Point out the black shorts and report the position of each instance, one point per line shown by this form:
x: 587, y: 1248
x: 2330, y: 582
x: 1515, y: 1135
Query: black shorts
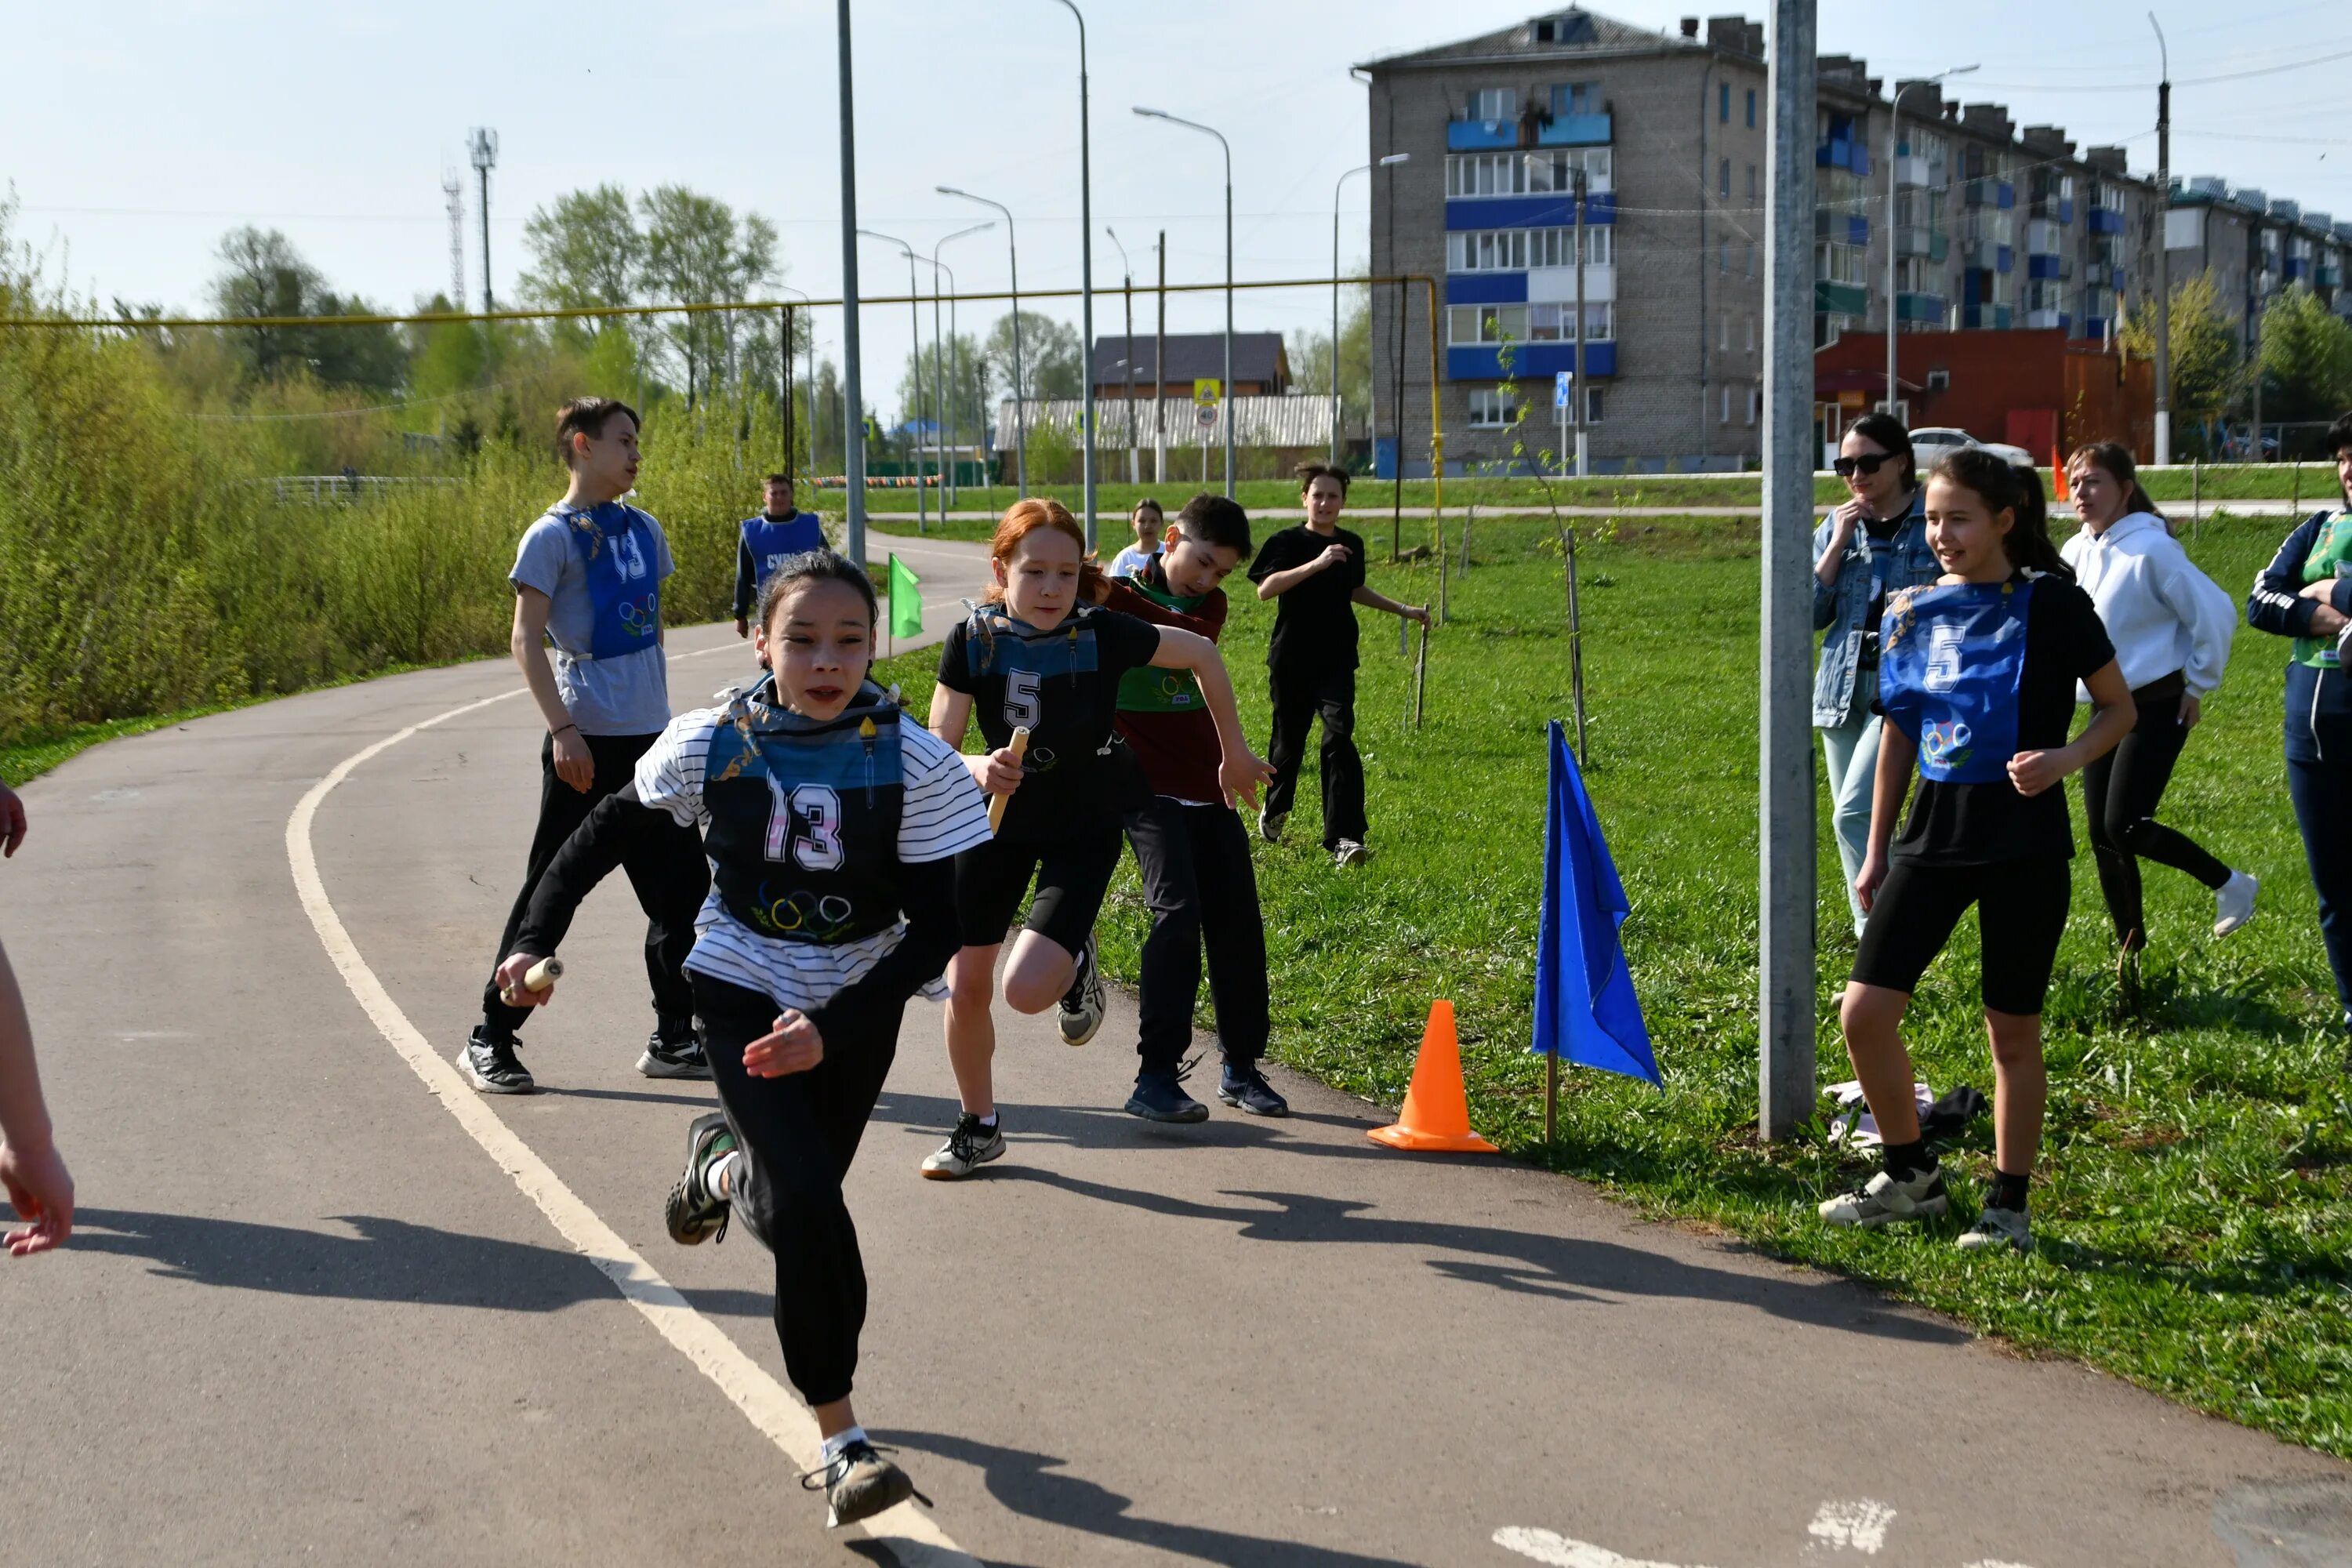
x: 1072, y: 872
x: 2020, y: 915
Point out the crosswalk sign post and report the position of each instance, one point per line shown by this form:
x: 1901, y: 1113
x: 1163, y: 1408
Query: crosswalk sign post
x: 1564, y: 388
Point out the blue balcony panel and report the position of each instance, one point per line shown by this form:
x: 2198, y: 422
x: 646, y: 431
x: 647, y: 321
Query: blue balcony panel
x: 1833, y: 155
x: 2095, y: 328
x: 2297, y: 267
x: 1529, y: 362
x: 1576, y: 131
x: 1919, y: 308
x: 2105, y: 220
x: 2004, y: 259
x: 2005, y: 195
x: 1857, y: 230
x: 2041, y: 265
x: 1482, y: 135
x: 2065, y: 210
x: 1486, y: 288
x: 1552, y: 210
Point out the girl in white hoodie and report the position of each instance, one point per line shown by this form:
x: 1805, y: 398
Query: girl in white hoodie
x: 2170, y: 625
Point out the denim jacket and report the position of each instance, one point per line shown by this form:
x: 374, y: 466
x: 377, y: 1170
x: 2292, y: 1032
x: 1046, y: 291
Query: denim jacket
x: 1839, y: 608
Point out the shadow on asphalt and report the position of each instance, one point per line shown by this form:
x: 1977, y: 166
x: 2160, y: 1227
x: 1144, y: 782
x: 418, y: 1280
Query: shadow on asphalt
x: 1557, y: 1267
x: 1027, y: 1484
x: 387, y: 1260
x: 1108, y: 1127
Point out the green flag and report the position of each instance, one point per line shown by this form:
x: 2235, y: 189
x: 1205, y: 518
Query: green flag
x: 905, y: 600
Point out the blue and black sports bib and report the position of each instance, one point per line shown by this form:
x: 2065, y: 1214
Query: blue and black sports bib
x: 803, y: 837
x: 616, y: 545
x: 1950, y: 662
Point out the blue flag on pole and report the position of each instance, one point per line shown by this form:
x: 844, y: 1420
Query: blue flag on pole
x: 1586, y: 1011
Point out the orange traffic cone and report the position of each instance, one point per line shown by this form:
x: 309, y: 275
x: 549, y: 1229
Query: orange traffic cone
x: 2058, y: 474
x: 1436, y: 1117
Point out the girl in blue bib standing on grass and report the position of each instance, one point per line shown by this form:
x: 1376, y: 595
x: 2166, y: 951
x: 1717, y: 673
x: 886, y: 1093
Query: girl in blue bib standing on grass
x: 1977, y: 678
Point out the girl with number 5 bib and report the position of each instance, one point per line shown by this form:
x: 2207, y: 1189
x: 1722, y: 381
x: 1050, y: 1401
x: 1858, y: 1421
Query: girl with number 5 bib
x: 1977, y: 678
x: 831, y: 827
x: 1039, y: 657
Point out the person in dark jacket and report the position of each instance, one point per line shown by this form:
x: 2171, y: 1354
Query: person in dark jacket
x: 2305, y: 593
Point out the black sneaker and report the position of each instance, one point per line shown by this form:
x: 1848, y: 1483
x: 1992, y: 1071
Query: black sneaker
x: 679, y: 1057
x: 1247, y: 1089
x: 858, y: 1483
x: 694, y: 1212
x: 969, y: 1147
x: 490, y: 1065
x: 1082, y: 1006
x: 1160, y: 1096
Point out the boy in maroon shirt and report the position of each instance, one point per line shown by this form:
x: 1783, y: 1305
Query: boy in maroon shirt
x: 1192, y: 846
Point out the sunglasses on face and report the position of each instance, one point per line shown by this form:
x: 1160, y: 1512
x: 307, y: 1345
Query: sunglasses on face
x: 1865, y: 465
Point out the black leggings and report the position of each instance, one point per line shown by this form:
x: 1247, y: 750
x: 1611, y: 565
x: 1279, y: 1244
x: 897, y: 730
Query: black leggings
x: 2120, y: 794
x: 1301, y: 698
x: 798, y: 1134
x: 2020, y: 915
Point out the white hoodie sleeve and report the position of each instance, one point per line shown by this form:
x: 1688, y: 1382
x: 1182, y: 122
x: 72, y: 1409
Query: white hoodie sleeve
x: 2208, y: 613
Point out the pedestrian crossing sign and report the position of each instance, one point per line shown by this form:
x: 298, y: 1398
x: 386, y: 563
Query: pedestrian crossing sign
x: 1560, y: 382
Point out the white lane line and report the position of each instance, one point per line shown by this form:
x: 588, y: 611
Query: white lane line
x: 1565, y: 1552
x: 779, y: 1416
x: 1856, y: 1526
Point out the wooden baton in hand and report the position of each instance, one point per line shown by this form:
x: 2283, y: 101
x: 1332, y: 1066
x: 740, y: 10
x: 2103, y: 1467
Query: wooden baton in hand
x: 996, y: 804
x: 540, y: 976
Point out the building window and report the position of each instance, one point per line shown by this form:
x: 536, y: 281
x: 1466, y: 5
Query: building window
x: 1592, y: 405
x: 1752, y: 258
x: 1491, y: 408
x: 1516, y: 250
x: 1576, y: 97
x: 1517, y: 174
x: 1723, y: 178
x: 1751, y: 334
x: 1723, y: 261
x: 1492, y: 103
x: 1723, y: 103
x: 1751, y: 109
x: 1723, y: 334
x: 1752, y: 187
x: 1467, y: 326
x: 1838, y: 264
x: 1755, y: 403
x: 1724, y: 418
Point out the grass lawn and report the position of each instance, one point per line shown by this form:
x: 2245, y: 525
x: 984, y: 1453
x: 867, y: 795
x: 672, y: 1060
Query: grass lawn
x: 2313, y: 483
x: 2194, y: 1203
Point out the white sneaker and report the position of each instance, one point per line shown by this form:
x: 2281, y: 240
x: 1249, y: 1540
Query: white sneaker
x: 1997, y: 1227
x: 1269, y: 825
x: 1919, y: 1195
x: 1349, y: 853
x: 971, y: 1145
x: 2234, y: 903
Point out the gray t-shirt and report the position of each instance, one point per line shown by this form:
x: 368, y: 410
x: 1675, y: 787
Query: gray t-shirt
x: 628, y: 695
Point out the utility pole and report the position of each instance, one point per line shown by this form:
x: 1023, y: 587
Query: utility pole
x: 1160, y: 373
x: 2255, y: 356
x: 1576, y: 381
x: 483, y: 149
x: 453, y: 188
x: 2163, y: 251
x: 853, y: 429
x: 1127, y: 355
x: 1784, y: 1024
x: 1893, y: 184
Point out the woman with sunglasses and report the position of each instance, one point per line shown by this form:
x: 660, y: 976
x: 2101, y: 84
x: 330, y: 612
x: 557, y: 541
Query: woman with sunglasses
x: 1873, y: 545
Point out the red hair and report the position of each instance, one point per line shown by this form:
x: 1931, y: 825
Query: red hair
x: 1025, y: 517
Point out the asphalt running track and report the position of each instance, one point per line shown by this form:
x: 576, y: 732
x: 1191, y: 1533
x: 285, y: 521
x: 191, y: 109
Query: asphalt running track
x: 325, y: 1304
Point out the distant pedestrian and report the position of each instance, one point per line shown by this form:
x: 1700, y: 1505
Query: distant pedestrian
x: 1976, y: 682
x: 2171, y: 626
x: 1315, y: 575
x: 1149, y: 523
x: 2305, y: 593
x: 764, y: 543
x: 1874, y: 544
x: 35, y: 1174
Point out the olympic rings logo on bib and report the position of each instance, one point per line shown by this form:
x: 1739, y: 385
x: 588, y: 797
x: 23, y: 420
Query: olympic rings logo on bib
x: 1947, y: 742
x: 640, y: 619
x: 801, y: 913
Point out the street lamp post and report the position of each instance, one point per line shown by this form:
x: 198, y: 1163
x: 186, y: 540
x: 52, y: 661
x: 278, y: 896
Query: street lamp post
x: 1086, y: 269
x: 1127, y: 357
x: 1392, y: 161
x: 1894, y: 182
x: 853, y: 446
x: 2164, y: 257
x: 914, y: 321
x: 1208, y: 131
x: 1020, y: 415
x: 939, y: 387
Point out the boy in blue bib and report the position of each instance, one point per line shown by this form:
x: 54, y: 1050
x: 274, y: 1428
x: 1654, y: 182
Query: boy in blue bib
x: 766, y: 541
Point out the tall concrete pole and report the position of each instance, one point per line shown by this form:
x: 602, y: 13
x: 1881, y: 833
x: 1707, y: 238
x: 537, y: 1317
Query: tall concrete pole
x: 853, y: 435
x: 1893, y: 142
x: 1784, y: 1024
x: 1086, y: 269
x: 2164, y: 252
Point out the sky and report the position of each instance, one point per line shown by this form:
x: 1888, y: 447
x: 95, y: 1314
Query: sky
x: 134, y: 135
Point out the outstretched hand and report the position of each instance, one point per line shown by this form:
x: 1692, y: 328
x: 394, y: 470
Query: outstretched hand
x: 1241, y: 777
x: 794, y: 1045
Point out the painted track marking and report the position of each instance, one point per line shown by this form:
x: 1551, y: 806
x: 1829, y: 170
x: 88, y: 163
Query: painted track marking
x: 905, y: 1529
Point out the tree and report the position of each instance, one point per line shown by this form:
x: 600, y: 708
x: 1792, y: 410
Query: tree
x: 1310, y: 355
x: 696, y: 252
x: 1052, y: 360
x: 264, y: 276
x: 586, y: 250
x: 2306, y: 359
x: 2205, y: 370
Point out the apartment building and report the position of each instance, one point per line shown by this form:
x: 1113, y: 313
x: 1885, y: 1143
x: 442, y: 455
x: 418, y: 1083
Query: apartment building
x: 1994, y: 228
x: 2255, y: 248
